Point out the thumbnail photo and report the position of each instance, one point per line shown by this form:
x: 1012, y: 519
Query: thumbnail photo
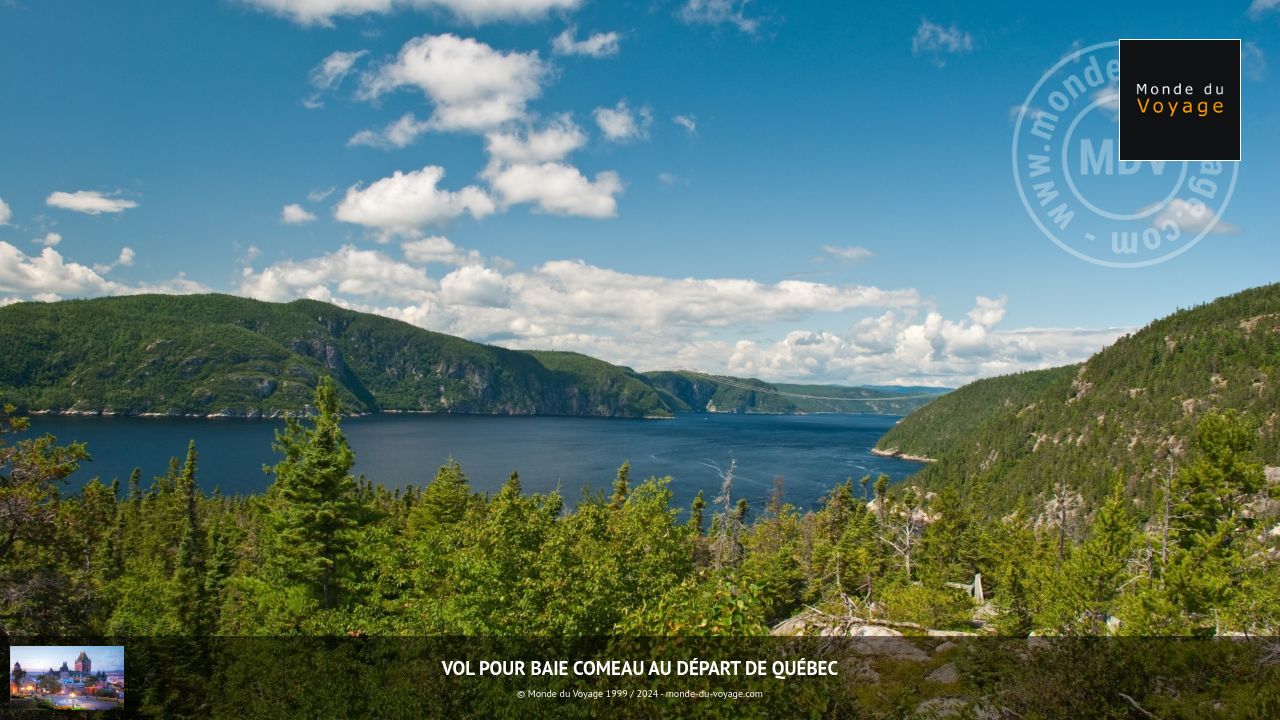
x: 66, y: 677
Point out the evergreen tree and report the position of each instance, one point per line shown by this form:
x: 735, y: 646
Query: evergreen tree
x: 312, y: 501
x: 189, y: 565
x: 444, y: 501
x: 36, y: 598
x: 1202, y: 572
x: 621, y: 484
x: 1210, y: 490
x: 1097, y: 569
x: 698, y: 514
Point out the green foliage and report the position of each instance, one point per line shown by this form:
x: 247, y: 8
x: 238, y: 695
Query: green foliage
x: 323, y: 554
x: 711, y: 605
x: 1131, y: 409
x: 933, y: 607
x: 947, y: 424
x: 1209, y: 491
x: 44, y: 580
x: 217, y: 354
x: 1089, y: 582
x: 205, y: 354
x: 312, y: 504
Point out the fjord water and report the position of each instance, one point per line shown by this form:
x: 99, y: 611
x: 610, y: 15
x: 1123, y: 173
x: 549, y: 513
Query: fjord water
x: 812, y: 452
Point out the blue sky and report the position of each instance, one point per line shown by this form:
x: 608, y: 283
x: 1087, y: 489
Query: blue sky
x: 813, y: 191
x: 42, y: 658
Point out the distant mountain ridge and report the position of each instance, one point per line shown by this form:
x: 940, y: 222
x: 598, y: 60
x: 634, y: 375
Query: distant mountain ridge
x: 220, y: 355
x: 1126, y: 412
x: 683, y: 390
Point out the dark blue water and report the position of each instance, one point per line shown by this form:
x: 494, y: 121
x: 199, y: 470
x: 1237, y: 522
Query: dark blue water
x: 812, y: 452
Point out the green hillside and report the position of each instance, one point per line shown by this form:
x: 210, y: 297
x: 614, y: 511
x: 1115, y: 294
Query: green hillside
x: 224, y: 355
x: 220, y: 354
x: 1128, y: 411
x: 689, y: 391
x: 945, y: 425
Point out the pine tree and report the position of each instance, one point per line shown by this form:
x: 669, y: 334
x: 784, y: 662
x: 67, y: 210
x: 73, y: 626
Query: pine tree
x: 1210, y: 490
x: 35, y: 586
x: 1096, y: 570
x: 312, y: 502
x: 444, y: 501
x: 1201, y: 573
x: 189, y: 566
x: 621, y: 485
x: 697, y: 514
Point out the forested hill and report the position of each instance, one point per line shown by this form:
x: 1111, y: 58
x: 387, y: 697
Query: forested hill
x: 225, y: 355
x: 697, y: 392
x: 1128, y: 411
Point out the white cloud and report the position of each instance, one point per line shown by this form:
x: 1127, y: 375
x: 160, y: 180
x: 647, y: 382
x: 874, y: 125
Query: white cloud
x: 848, y: 253
x: 988, y: 312
x: 718, y: 12
x: 1030, y: 112
x: 621, y: 124
x: 1076, y: 46
x: 347, y: 271
x: 474, y: 285
x: 46, y: 272
x: 329, y: 74
x: 1108, y: 99
x: 688, y: 122
x: 653, y: 322
x: 1254, y: 60
x: 557, y: 299
x: 49, y: 240
x: 558, y: 189
x: 1191, y: 217
x: 49, y: 273
x: 473, y: 86
x: 525, y: 167
x: 596, y: 45
x: 125, y: 259
x: 5, y: 213
x: 295, y: 214
x: 480, y: 11
x: 323, y: 12
x: 405, y: 202
x: 437, y: 249
x: 398, y: 134
x: 331, y: 71
x: 560, y: 137
x: 626, y: 300
x: 898, y: 347
x: 1258, y: 8
x: 669, y: 179
x: 937, y: 41
x: 90, y: 202
x: 319, y: 195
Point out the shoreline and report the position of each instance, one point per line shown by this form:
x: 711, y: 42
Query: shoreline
x: 896, y: 453
x: 282, y: 414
